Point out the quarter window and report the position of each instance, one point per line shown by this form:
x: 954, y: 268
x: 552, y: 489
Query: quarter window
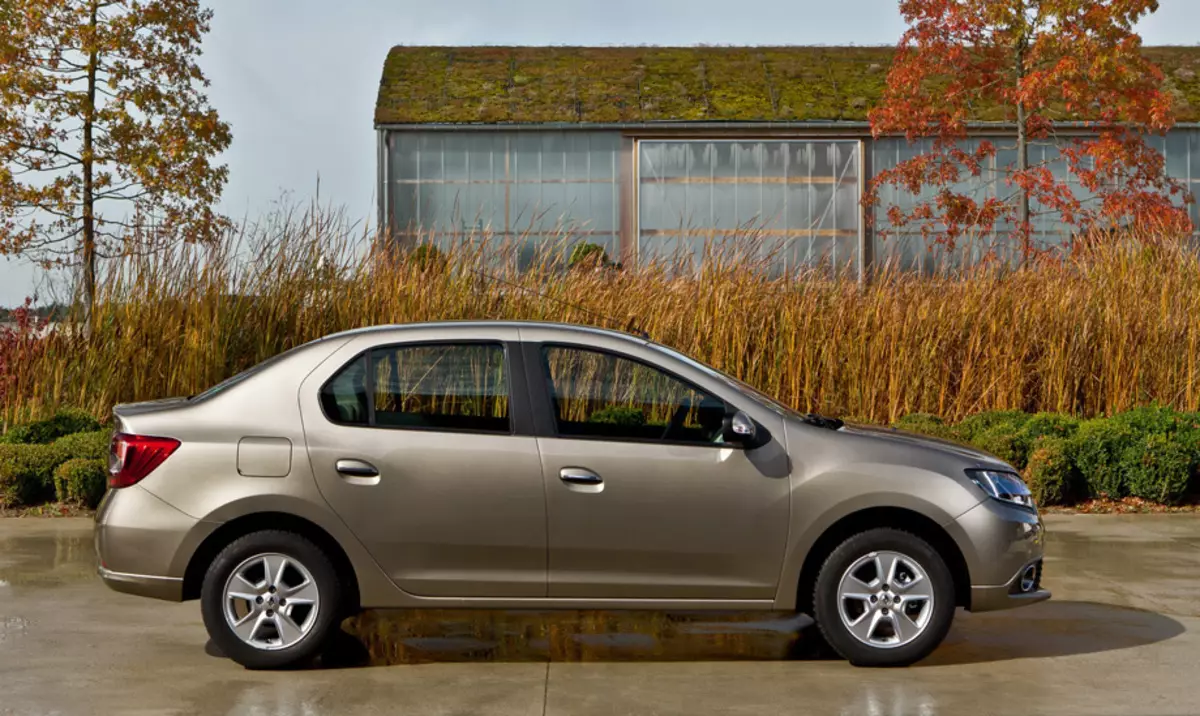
x: 601, y: 395
x: 430, y: 387
x: 344, y: 398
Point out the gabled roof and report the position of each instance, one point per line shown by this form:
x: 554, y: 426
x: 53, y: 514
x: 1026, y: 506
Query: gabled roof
x: 618, y: 85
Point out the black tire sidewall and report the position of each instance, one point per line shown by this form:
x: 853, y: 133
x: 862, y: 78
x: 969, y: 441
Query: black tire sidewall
x: 288, y: 544
x: 826, y: 606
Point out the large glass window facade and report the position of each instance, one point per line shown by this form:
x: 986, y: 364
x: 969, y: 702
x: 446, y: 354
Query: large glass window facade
x: 908, y: 249
x: 530, y: 189
x: 789, y: 203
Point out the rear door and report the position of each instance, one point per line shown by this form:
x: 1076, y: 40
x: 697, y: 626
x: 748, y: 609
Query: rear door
x: 422, y: 448
x: 644, y: 500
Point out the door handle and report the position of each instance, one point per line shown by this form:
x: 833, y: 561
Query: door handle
x: 579, y: 476
x: 356, y: 468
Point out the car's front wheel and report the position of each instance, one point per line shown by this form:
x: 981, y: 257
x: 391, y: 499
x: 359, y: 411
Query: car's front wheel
x: 271, y: 600
x: 884, y: 597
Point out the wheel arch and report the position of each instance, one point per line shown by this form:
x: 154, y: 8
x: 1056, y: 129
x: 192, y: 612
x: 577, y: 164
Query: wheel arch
x: 900, y: 518
x: 221, y: 537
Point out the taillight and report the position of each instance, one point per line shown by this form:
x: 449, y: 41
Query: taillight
x: 133, y: 457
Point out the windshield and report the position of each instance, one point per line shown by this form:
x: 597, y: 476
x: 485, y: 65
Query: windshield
x: 742, y: 386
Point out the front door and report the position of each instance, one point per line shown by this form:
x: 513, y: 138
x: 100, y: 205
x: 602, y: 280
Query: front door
x: 644, y: 501
x: 415, y: 447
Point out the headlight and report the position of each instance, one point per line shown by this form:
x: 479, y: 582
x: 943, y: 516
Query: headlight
x: 1004, y: 486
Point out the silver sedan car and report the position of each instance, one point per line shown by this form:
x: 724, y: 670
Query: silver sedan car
x: 532, y: 465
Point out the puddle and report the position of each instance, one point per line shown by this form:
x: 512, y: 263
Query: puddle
x: 46, y: 560
x: 12, y: 628
x: 410, y: 636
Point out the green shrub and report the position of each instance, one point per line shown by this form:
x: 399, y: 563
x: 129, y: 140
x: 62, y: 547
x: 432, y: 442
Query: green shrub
x: 26, y: 474
x: 1001, y: 441
x: 618, y: 415
x: 428, y: 257
x: 926, y: 424
x: 1154, y: 420
x: 1041, y: 425
x: 81, y: 481
x: 64, y: 422
x: 91, y: 446
x: 1051, y: 472
x: 1158, y: 468
x: 588, y: 255
x: 1098, y: 447
x: 991, y: 421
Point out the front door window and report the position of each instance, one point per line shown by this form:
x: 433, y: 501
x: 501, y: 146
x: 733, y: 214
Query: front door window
x: 602, y: 395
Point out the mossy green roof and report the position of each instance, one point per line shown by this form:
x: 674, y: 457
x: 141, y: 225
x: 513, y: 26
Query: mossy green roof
x: 618, y: 85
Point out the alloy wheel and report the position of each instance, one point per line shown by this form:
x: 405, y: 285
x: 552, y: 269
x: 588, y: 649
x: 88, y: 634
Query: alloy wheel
x: 885, y: 599
x: 271, y: 601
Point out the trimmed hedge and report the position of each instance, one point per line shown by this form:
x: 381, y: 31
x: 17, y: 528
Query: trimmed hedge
x: 93, y: 445
x: 64, y: 422
x: 81, y: 481
x: 28, y: 470
x: 1152, y: 453
x: 1051, y: 473
x: 27, y: 474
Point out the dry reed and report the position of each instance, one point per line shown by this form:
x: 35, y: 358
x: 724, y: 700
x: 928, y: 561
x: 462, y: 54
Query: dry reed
x: 1109, y: 328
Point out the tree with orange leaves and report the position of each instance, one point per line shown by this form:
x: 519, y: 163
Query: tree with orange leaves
x: 106, y: 136
x: 1038, y: 66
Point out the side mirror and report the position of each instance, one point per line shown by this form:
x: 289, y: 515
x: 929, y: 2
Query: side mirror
x: 740, y: 429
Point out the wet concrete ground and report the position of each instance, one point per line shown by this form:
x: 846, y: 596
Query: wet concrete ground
x: 1122, y: 636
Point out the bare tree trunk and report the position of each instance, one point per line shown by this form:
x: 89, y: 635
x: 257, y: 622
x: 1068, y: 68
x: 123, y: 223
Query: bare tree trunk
x: 88, y: 247
x: 1022, y: 157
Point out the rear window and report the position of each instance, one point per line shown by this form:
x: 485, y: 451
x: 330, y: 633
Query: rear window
x: 248, y: 373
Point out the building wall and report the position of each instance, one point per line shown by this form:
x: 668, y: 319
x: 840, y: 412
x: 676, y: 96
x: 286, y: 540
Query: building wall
x: 784, y: 197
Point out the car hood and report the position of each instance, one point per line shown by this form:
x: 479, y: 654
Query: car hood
x: 907, y: 439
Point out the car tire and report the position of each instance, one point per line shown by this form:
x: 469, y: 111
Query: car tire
x: 244, y: 600
x: 871, y: 622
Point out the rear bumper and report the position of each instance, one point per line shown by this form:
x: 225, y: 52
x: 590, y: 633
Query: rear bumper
x: 143, y: 544
x: 143, y: 585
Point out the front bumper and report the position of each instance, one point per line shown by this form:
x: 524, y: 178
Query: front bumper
x: 1013, y: 594
x: 1000, y: 543
x: 142, y: 543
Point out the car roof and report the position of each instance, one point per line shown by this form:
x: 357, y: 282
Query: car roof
x: 461, y: 325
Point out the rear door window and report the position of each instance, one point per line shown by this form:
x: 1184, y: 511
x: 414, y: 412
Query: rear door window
x: 448, y: 387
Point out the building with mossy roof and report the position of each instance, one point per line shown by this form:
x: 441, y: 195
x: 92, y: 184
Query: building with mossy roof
x: 669, y: 152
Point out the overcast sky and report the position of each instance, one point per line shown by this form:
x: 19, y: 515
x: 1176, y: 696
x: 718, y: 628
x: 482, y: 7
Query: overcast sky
x: 297, y: 78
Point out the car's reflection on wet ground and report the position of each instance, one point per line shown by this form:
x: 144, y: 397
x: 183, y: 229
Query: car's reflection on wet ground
x: 1119, y: 638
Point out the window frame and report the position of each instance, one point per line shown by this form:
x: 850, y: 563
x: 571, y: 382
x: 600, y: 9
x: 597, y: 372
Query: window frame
x: 546, y: 417
x: 861, y: 146
x: 519, y: 420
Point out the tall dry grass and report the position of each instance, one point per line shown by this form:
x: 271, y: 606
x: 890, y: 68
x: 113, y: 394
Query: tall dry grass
x: 1109, y: 328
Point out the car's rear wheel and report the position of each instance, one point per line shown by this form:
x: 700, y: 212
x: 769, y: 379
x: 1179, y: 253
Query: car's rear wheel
x: 271, y: 600
x: 884, y: 597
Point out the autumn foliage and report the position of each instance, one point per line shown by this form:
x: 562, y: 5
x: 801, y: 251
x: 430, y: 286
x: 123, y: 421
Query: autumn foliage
x: 1066, y: 72
x: 107, y: 140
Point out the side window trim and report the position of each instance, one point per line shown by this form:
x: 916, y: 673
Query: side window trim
x: 518, y: 397
x: 545, y: 419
